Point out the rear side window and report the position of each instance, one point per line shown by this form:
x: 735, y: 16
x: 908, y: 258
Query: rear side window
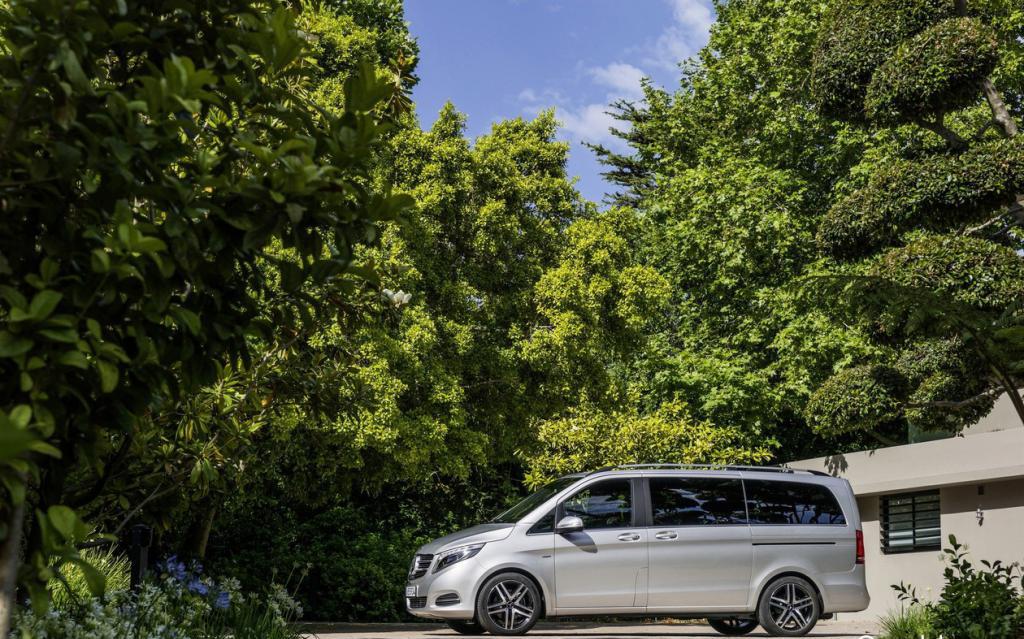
x: 606, y: 504
x: 784, y: 502
x: 696, y: 501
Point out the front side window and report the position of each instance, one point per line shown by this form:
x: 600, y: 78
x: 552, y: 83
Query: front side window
x: 785, y: 502
x: 545, y: 524
x: 605, y: 504
x: 697, y: 501
x: 911, y: 522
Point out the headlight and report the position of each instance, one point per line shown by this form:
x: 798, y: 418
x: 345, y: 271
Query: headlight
x: 455, y: 555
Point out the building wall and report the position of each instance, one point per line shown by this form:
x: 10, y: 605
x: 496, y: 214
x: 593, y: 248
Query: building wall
x: 999, y: 536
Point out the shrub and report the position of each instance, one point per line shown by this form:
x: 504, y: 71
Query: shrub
x: 179, y: 603
x: 856, y: 398
x: 948, y: 265
x: 940, y: 69
x: 975, y: 603
x: 911, y: 622
x: 857, y: 36
x: 936, y: 193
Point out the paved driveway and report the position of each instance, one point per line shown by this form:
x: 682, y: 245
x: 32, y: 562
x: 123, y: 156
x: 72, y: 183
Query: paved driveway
x: 836, y: 630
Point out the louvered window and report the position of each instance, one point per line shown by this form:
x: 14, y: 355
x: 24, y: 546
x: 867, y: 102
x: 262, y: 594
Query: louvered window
x: 911, y: 522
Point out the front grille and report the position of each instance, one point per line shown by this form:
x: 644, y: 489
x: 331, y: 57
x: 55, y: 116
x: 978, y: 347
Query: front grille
x: 447, y: 599
x: 416, y: 602
x: 420, y: 565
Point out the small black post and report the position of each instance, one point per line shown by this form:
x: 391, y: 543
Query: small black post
x: 140, y: 537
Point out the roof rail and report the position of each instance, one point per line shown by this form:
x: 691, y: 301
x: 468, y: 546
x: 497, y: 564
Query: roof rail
x: 763, y: 469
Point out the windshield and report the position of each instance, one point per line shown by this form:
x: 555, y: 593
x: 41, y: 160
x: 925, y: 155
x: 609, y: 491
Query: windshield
x: 517, y: 512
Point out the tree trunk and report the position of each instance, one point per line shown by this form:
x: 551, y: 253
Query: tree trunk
x: 10, y: 558
x: 199, y: 535
x: 1000, y: 113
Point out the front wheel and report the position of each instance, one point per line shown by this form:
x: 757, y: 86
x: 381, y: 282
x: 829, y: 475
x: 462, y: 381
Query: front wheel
x: 470, y: 627
x: 789, y: 607
x: 733, y: 626
x: 508, y: 604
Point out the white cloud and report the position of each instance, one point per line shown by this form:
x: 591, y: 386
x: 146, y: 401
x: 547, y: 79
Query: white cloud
x: 681, y: 39
x: 624, y: 79
x: 589, y: 123
x: 685, y: 37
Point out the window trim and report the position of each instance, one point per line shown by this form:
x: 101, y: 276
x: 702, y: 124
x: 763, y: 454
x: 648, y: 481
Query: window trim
x: 649, y: 503
x: 883, y: 522
x: 635, y: 518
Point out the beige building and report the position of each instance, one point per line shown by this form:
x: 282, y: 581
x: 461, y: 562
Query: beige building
x: 913, y: 497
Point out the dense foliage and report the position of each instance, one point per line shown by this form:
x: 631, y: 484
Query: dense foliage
x: 153, y: 156
x: 975, y: 603
x: 217, y: 318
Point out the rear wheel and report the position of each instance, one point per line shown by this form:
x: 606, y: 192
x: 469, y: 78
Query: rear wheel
x: 508, y: 604
x: 789, y: 607
x: 733, y: 626
x: 469, y: 627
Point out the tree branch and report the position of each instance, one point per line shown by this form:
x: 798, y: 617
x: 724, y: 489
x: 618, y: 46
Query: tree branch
x: 951, y: 137
x: 1000, y: 113
x: 962, y: 404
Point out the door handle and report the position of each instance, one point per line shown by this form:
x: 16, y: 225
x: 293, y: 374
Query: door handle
x: 666, y: 534
x: 629, y: 537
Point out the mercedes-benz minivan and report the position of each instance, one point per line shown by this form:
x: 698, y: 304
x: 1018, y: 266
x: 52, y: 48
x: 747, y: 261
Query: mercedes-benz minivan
x: 740, y: 546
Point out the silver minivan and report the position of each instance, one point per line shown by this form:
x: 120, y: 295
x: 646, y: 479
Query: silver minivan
x: 740, y: 546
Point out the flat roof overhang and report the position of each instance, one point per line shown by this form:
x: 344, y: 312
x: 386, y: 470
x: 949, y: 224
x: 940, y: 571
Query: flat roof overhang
x: 970, y: 459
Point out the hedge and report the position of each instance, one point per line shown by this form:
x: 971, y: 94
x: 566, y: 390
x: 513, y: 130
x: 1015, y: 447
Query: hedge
x: 938, y: 70
x: 936, y: 193
x: 856, y: 37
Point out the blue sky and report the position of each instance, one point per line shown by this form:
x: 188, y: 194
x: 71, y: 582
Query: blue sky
x: 496, y: 59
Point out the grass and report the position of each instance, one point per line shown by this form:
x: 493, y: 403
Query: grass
x: 912, y: 622
x: 74, y: 590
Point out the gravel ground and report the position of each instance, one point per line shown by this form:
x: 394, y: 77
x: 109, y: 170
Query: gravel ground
x: 835, y: 629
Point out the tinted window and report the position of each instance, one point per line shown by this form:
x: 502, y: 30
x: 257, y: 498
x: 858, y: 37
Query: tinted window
x: 783, y: 502
x: 545, y: 524
x: 696, y: 501
x: 606, y: 504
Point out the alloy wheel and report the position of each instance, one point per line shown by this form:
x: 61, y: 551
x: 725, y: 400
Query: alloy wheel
x: 510, y: 605
x: 791, y: 607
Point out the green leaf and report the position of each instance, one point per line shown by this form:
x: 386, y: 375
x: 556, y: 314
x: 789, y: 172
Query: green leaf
x: 72, y: 68
x: 73, y: 358
x: 108, y: 375
x: 13, y: 346
x: 43, y: 304
x: 63, y: 519
x: 21, y: 416
x: 15, y: 441
x: 95, y: 579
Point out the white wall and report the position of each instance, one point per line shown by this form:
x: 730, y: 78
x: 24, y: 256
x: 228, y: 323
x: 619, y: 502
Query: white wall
x: 1000, y: 536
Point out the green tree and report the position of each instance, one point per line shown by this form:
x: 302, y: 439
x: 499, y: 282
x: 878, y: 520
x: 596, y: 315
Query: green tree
x: 731, y: 172
x: 152, y: 156
x: 926, y: 226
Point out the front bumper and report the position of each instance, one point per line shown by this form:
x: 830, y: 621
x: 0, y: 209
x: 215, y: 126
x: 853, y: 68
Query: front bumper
x: 448, y: 594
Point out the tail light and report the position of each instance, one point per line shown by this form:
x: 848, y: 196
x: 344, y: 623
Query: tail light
x: 860, y: 548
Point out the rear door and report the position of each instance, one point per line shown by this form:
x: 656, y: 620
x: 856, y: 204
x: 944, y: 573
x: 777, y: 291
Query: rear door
x: 798, y: 524
x: 699, y: 544
x: 604, y: 566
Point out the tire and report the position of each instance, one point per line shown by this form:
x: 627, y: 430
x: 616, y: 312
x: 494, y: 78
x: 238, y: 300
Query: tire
x: 508, y: 604
x: 789, y: 607
x: 733, y: 626
x: 466, y: 627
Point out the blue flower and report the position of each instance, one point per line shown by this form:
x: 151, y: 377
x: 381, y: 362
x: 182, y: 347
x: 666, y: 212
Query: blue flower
x: 222, y: 601
x: 174, y: 568
x: 198, y: 587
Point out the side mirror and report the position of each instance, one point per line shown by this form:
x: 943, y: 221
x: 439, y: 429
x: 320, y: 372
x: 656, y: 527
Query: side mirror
x: 569, y: 524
